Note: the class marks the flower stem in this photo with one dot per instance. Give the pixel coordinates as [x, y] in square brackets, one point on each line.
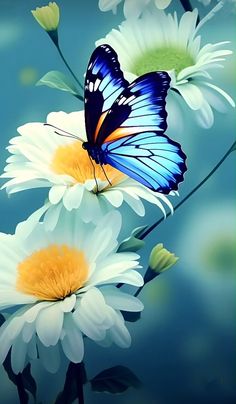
[79, 382]
[187, 6]
[23, 396]
[154, 225]
[68, 67]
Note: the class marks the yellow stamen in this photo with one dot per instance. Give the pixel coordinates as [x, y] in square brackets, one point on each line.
[52, 273]
[73, 160]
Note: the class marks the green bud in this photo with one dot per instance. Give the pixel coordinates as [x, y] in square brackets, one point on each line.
[161, 259]
[48, 16]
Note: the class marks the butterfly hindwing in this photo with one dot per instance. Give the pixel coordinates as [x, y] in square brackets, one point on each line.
[150, 158]
[139, 107]
[103, 84]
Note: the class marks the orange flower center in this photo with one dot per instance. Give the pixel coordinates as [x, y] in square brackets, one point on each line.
[52, 273]
[73, 160]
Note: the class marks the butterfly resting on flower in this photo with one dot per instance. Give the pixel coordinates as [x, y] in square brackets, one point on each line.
[125, 123]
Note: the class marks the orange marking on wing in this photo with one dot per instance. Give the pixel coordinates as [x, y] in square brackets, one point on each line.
[99, 124]
[132, 130]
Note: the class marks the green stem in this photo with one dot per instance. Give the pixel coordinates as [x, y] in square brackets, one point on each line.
[23, 396]
[187, 6]
[152, 227]
[68, 67]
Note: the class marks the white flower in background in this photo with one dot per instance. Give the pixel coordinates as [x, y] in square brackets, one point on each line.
[65, 284]
[158, 41]
[41, 158]
[207, 246]
[132, 8]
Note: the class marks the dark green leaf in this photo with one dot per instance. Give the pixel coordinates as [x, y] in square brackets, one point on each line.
[133, 243]
[115, 380]
[58, 80]
[131, 316]
[23, 381]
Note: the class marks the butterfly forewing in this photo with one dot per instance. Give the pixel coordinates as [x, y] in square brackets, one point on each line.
[139, 107]
[103, 84]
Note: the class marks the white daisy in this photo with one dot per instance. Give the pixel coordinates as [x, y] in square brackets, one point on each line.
[132, 8]
[158, 41]
[64, 281]
[41, 158]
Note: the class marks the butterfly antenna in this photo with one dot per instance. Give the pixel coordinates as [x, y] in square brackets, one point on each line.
[65, 133]
[104, 172]
[94, 173]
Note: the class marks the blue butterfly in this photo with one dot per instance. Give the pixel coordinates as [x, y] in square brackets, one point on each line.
[125, 123]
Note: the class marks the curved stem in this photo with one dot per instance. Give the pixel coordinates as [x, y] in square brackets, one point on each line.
[152, 227]
[187, 6]
[68, 67]
[79, 382]
[23, 396]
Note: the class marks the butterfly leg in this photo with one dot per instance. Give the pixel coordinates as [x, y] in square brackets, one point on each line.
[94, 174]
[103, 169]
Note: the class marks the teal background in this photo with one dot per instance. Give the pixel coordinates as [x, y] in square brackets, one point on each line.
[184, 347]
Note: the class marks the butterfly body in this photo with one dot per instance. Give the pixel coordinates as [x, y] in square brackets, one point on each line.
[95, 152]
[125, 123]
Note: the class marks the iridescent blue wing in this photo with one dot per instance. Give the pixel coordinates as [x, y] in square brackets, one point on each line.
[150, 158]
[104, 82]
[139, 108]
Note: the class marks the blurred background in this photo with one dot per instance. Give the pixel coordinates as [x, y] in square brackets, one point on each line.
[183, 348]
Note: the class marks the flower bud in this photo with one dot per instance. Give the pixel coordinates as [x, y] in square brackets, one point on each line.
[48, 16]
[161, 259]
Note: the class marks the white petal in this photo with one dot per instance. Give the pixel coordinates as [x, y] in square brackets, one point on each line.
[192, 95]
[31, 314]
[56, 193]
[115, 198]
[106, 5]
[72, 343]
[162, 4]
[204, 116]
[222, 92]
[133, 8]
[49, 324]
[119, 333]
[52, 216]
[73, 197]
[24, 229]
[18, 354]
[49, 356]
[120, 300]
[135, 204]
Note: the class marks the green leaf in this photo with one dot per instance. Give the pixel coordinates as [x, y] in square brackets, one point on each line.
[58, 80]
[133, 243]
[115, 380]
[23, 381]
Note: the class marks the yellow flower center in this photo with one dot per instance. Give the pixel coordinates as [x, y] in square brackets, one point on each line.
[73, 160]
[52, 273]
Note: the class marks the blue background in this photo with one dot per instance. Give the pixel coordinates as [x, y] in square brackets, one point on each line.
[183, 349]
